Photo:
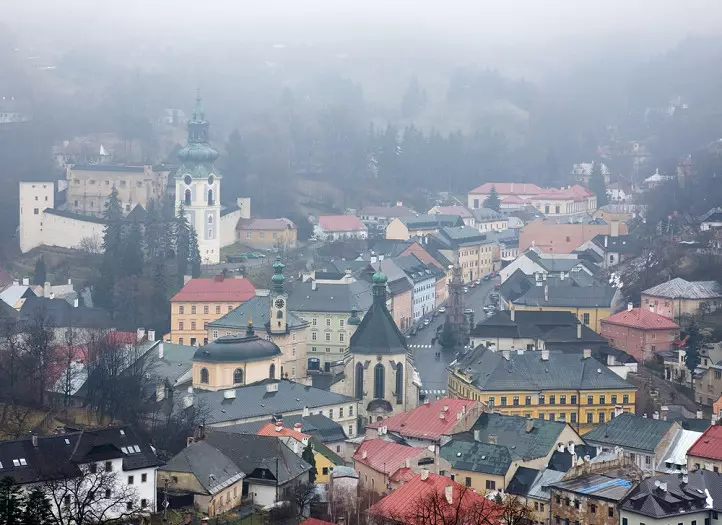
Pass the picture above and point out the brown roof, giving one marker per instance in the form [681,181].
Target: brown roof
[265,224]
[576,193]
[554,238]
[340,223]
[508,188]
[218,289]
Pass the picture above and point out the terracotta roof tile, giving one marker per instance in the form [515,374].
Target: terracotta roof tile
[508,188]
[709,445]
[218,289]
[269,429]
[340,223]
[642,319]
[314,521]
[385,456]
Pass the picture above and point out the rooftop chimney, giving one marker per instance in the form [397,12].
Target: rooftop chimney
[546,293]
[151,335]
[407,463]
[26,281]
[606,241]
[364,454]
[579,330]
[560,447]
[630,306]
[614,228]
[35,440]
[529,425]
[512,315]
[618,410]
[492,439]
[477,435]
[665,413]
[426,401]
[449,493]
[160,350]
[545,355]
[651,308]
[46,288]
[655,415]
[140,334]
[424,474]
[75,302]
[700,414]
[507,354]
[442,415]
[587,352]
[297,427]
[313,285]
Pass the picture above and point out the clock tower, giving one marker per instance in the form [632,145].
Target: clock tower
[198,187]
[278,300]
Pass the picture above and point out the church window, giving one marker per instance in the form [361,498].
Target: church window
[237,376]
[399,384]
[204,376]
[210,197]
[359,381]
[188,197]
[210,233]
[210,219]
[272,371]
[379,373]
[279,314]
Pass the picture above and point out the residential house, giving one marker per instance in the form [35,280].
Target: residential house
[533,262]
[487,456]
[553,385]
[325,305]
[63,317]
[423,278]
[532,487]
[339,227]
[424,425]
[477,196]
[267,233]
[621,212]
[400,292]
[582,172]
[14,295]
[113,459]
[657,180]
[612,250]
[643,440]
[343,491]
[710,220]
[686,499]
[429,255]
[384,465]
[706,452]
[383,215]
[678,297]
[204,300]
[640,332]
[458,210]
[555,238]
[674,460]
[431,498]
[406,228]
[717,410]
[488,220]
[533,330]
[476,253]
[707,383]
[565,201]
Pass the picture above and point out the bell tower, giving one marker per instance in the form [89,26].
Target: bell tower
[278,300]
[198,186]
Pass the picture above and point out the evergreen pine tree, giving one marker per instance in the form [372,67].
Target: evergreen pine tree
[159,296]
[182,244]
[308,456]
[112,246]
[597,186]
[692,346]
[492,200]
[194,254]
[10,502]
[152,229]
[133,251]
[40,275]
[36,509]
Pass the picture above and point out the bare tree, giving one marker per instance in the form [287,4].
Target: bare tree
[92,244]
[40,350]
[514,511]
[95,496]
[170,427]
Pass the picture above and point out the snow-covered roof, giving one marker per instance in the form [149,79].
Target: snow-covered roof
[676,453]
[679,288]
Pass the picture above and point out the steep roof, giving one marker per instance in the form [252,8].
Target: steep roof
[435,220]
[385,456]
[513,188]
[13,293]
[378,334]
[490,371]
[340,223]
[618,244]
[341,297]
[62,314]
[455,209]
[213,469]
[642,319]
[709,444]
[217,289]
[236,349]
[558,294]
[679,288]
[316,425]
[487,214]
[265,224]
[676,453]
[423,422]
[475,456]
[258,310]
[539,487]
[575,193]
[630,431]
[270,429]
[522,481]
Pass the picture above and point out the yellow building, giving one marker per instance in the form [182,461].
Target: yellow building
[405,228]
[203,301]
[543,384]
[477,253]
[267,233]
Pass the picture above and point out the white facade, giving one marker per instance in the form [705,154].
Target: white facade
[424,297]
[698,518]
[322,235]
[201,201]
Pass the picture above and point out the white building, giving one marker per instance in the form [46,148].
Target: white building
[338,227]
[424,280]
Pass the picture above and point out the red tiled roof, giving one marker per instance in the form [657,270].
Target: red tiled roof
[402,475]
[642,319]
[265,224]
[314,521]
[62,356]
[269,429]
[709,444]
[508,188]
[385,456]
[340,223]
[218,289]
[424,421]
[514,199]
[575,192]
[405,504]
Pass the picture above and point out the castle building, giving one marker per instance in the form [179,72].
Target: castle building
[378,366]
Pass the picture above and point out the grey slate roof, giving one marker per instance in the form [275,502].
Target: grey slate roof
[620,244]
[540,488]
[259,456]
[213,469]
[176,361]
[568,296]
[458,236]
[489,371]
[630,431]
[335,298]
[557,264]
[679,288]
[606,487]
[63,314]
[436,220]
[680,498]
[233,349]
[258,309]
[415,270]
[254,401]
[317,425]
[475,456]
[522,481]
[378,334]
[510,432]
[487,214]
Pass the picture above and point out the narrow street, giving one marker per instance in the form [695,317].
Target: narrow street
[432,370]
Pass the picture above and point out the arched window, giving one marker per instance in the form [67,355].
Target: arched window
[237,376]
[210,219]
[204,376]
[210,197]
[272,371]
[359,381]
[399,384]
[188,198]
[379,373]
[279,314]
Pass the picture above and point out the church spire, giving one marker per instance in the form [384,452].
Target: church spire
[198,151]
[278,278]
[379,288]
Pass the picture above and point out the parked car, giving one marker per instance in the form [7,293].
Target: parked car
[497,286]
[426,322]
[412,332]
[442,309]
[473,284]
[466,290]
[487,277]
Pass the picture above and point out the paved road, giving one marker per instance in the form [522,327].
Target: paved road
[431,370]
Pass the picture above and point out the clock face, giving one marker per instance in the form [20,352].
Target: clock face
[279,303]
[211,178]
[187,180]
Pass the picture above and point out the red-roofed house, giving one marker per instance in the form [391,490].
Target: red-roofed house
[706,453]
[477,196]
[565,201]
[640,332]
[429,498]
[337,227]
[380,463]
[267,233]
[424,425]
[314,521]
[203,301]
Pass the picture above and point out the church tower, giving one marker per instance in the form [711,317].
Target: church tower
[278,300]
[198,186]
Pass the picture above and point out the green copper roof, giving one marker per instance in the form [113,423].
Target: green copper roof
[278,277]
[380,277]
[198,155]
[354,319]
